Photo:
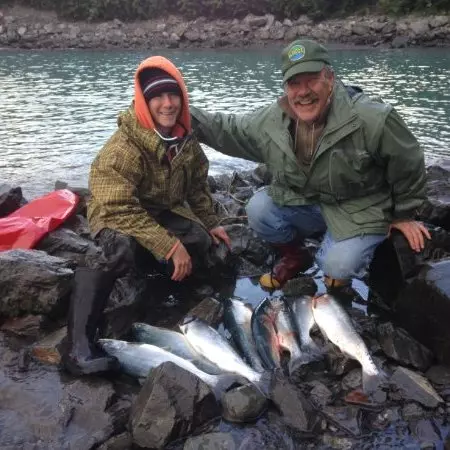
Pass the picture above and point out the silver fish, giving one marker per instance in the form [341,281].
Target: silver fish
[137,360]
[301,308]
[286,331]
[336,325]
[208,342]
[237,320]
[174,342]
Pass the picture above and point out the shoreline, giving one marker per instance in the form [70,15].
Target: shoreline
[28,29]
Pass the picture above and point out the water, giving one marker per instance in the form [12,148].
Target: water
[58,108]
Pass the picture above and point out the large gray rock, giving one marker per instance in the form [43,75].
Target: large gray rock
[295,409]
[33,282]
[10,199]
[413,386]
[243,404]
[401,347]
[171,404]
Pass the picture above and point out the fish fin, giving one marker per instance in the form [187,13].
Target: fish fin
[371,382]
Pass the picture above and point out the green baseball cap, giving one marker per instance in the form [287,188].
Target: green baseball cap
[303,56]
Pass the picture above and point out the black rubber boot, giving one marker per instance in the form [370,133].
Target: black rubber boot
[88,300]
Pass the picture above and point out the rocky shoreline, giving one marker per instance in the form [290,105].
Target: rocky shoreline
[22,28]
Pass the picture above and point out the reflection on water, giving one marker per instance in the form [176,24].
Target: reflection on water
[58,108]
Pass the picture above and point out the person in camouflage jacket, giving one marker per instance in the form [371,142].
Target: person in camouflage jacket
[150,201]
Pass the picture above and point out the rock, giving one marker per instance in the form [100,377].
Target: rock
[303,285]
[33,282]
[412,411]
[419,27]
[426,320]
[439,375]
[401,347]
[66,244]
[171,404]
[352,380]
[11,199]
[243,404]
[255,21]
[336,442]
[347,418]
[426,432]
[413,386]
[438,21]
[47,350]
[295,409]
[400,42]
[122,441]
[211,441]
[28,326]
[209,310]
[320,395]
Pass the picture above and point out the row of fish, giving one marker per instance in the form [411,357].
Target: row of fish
[262,336]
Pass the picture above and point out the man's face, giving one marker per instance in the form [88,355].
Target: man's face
[165,109]
[308,94]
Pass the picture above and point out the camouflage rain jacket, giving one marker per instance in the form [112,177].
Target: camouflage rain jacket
[132,175]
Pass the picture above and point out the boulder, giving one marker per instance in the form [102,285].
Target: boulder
[401,347]
[33,282]
[423,307]
[413,386]
[439,375]
[10,199]
[243,404]
[171,404]
[209,310]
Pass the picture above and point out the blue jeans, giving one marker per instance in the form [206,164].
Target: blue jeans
[349,258]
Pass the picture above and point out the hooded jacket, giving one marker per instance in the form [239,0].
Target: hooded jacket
[133,176]
[367,170]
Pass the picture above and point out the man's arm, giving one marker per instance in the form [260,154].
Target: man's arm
[231,134]
[115,176]
[405,172]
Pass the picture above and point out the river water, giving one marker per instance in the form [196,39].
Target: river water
[58,108]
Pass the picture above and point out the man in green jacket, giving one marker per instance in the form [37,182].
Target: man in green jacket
[342,164]
[150,202]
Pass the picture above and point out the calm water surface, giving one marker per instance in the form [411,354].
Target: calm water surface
[58,108]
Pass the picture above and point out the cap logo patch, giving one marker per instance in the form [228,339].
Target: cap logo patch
[296,53]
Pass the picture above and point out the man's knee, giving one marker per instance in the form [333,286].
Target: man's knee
[115,253]
[257,208]
[338,264]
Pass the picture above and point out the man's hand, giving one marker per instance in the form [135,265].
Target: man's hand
[414,233]
[218,234]
[182,263]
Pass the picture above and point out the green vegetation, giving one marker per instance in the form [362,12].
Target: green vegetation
[147,9]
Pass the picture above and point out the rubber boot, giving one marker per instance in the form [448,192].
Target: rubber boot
[294,259]
[87,302]
[340,288]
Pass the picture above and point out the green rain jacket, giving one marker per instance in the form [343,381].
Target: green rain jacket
[368,169]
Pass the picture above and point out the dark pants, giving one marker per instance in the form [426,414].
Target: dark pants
[118,253]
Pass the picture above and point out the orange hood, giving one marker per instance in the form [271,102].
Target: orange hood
[140,104]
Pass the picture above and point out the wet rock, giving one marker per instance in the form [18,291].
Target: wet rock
[243,404]
[347,418]
[211,441]
[401,347]
[412,411]
[439,375]
[320,395]
[339,363]
[120,413]
[28,326]
[423,306]
[65,243]
[10,199]
[33,282]
[413,386]
[336,442]
[400,42]
[171,404]
[295,409]
[383,419]
[426,432]
[300,286]
[122,441]
[209,309]
[352,380]
[47,350]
